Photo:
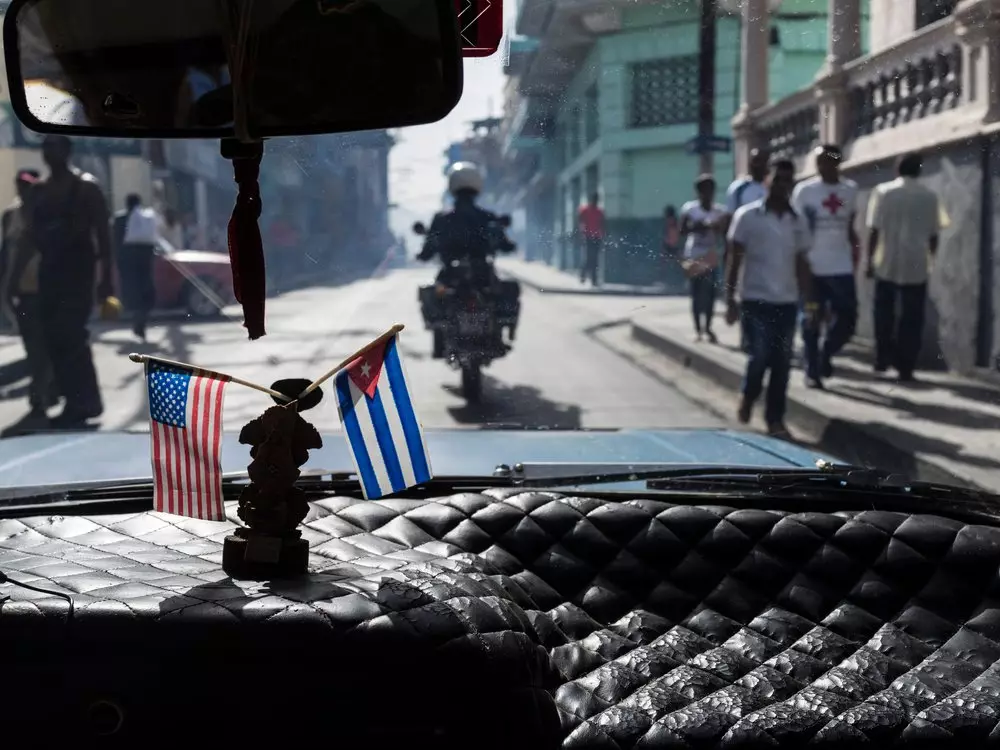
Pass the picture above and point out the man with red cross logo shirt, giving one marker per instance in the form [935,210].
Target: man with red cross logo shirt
[828,202]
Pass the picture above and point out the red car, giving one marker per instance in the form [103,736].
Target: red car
[196,281]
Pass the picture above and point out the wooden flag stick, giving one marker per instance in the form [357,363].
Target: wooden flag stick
[143,358]
[360,352]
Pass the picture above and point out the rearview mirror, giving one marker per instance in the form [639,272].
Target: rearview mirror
[504,220]
[419,228]
[120,68]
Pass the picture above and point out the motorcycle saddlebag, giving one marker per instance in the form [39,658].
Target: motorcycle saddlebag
[508,302]
[430,305]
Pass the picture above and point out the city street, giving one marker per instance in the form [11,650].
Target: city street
[559,375]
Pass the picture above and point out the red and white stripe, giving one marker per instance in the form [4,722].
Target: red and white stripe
[187,462]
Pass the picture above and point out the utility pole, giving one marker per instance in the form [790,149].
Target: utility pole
[706,82]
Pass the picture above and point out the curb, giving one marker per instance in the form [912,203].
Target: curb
[853,442]
[603,292]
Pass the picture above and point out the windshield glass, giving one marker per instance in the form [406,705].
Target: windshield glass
[756,231]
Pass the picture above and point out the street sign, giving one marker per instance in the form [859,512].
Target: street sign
[701,144]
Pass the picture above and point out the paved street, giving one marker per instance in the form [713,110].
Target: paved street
[559,375]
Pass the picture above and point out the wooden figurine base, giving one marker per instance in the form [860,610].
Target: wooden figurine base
[251,556]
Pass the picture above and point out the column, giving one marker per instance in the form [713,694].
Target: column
[977,28]
[755,53]
[843,46]
[843,32]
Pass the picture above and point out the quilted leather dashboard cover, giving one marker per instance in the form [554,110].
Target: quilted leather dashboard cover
[536,619]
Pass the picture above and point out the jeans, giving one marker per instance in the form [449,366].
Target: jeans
[897,343]
[768,334]
[702,299]
[42,392]
[592,248]
[836,295]
[135,267]
[65,313]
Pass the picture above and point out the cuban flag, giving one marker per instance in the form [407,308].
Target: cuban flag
[382,428]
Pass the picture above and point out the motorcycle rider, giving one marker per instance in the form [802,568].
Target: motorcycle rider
[466,232]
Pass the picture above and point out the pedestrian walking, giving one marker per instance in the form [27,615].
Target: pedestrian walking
[904,223]
[591,223]
[20,293]
[747,189]
[70,225]
[136,230]
[767,277]
[703,227]
[828,202]
[751,187]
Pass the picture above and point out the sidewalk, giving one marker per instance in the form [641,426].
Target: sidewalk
[551,280]
[943,428]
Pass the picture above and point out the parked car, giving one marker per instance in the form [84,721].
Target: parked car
[173,271]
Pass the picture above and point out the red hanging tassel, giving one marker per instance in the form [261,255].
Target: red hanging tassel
[246,250]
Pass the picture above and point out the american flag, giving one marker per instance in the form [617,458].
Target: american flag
[185,419]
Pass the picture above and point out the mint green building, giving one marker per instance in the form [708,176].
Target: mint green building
[603,97]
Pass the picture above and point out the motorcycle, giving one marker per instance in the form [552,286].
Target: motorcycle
[468,311]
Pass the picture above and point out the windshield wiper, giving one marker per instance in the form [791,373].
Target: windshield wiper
[826,477]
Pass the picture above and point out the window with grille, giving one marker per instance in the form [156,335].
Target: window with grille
[930,11]
[664,92]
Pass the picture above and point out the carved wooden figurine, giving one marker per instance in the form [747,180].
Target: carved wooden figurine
[271,506]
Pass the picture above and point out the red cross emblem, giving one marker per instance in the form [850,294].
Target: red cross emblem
[833,203]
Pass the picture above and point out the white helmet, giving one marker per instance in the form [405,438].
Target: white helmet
[464,175]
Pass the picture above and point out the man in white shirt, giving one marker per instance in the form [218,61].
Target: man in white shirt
[136,230]
[769,272]
[702,226]
[751,187]
[828,203]
[904,222]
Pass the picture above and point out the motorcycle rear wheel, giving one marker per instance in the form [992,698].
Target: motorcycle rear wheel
[472,383]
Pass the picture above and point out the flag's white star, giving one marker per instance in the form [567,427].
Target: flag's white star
[365,370]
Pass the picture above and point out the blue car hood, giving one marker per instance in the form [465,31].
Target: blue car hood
[60,458]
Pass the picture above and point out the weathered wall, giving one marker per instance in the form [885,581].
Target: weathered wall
[955,173]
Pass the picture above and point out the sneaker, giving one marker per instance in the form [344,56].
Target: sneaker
[744,412]
[814,383]
[778,430]
[712,338]
[826,368]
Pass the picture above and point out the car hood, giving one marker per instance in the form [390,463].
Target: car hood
[58,458]
[197,256]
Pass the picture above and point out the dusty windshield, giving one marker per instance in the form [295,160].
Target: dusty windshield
[769,217]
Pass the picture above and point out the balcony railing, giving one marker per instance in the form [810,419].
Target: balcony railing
[918,78]
[912,95]
[789,128]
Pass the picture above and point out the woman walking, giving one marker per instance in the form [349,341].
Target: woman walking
[703,227]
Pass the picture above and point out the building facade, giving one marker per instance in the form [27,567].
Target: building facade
[603,98]
[931,82]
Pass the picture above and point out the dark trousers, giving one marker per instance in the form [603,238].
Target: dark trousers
[897,341]
[702,300]
[65,314]
[768,336]
[592,253]
[838,301]
[135,267]
[42,392]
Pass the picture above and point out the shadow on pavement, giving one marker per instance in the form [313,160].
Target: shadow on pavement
[514,407]
[896,450]
[12,372]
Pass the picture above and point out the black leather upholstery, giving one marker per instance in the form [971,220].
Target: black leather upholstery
[531,619]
